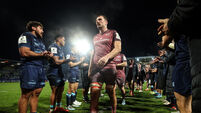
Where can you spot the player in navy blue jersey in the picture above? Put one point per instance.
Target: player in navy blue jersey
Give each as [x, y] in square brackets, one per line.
[73, 79]
[33, 55]
[55, 73]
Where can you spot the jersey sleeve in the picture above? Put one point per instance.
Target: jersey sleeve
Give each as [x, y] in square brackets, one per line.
[24, 41]
[116, 36]
[124, 58]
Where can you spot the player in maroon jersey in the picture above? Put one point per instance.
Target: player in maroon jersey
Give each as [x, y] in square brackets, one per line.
[121, 63]
[107, 44]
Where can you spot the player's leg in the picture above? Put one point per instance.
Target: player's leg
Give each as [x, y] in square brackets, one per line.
[120, 80]
[110, 77]
[96, 85]
[95, 94]
[24, 99]
[60, 90]
[180, 102]
[34, 99]
[52, 82]
[53, 98]
[112, 94]
[188, 104]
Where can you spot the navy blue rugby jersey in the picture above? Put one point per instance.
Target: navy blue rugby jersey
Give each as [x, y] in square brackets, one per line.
[35, 44]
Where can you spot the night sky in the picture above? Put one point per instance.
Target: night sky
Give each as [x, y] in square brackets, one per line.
[135, 21]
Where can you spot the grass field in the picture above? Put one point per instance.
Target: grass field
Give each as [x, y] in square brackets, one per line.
[140, 103]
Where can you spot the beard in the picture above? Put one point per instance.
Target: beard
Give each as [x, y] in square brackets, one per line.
[99, 27]
[40, 35]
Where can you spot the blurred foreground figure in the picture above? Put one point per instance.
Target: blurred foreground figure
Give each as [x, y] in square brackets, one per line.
[185, 20]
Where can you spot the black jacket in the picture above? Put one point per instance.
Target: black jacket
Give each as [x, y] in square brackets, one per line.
[186, 18]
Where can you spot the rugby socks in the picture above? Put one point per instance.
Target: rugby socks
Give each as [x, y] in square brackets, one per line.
[68, 99]
[58, 104]
[75, 94]
[51, 107]
[73, 97]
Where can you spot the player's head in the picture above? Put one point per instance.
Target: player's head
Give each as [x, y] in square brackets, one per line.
[35, 26]
[101, 21]
[60, 39]
[74, 49]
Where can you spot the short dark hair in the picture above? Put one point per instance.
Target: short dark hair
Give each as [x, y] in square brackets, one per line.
[58, 36]
[104, 16]
[31, 24]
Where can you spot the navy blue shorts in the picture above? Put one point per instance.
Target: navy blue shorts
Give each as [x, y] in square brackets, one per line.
[55, 77]
[182, 78]
[32, 77]
[73, 76]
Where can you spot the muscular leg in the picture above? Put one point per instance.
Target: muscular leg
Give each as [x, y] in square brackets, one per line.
[23, 101]
[34, 99]
[188, 104]
[59, 94]
[68, 95]
[53, 95]
[130, 84]
[112, 94]
[123, 92]
[180, 102]
[95, 94]
[75, 88]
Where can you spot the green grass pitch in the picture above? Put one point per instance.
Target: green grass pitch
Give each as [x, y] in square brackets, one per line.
[140, 103]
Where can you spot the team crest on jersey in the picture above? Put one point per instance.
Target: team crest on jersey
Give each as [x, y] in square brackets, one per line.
[107, 34]
[118, 56]
[22, 39]
[54, 50]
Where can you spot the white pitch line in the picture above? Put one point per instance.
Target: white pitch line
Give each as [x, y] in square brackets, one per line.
[3, 91]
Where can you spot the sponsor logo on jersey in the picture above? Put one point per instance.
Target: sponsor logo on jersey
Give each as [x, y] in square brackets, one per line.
[54, 50]
[22, 39]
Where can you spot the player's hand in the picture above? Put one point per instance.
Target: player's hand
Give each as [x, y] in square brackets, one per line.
[103, 61]
[47, 54]
[72, 58]
[164, 27]
[50, 54]
[165, 41]
[44, 53]
[85, 64]
[82, 59]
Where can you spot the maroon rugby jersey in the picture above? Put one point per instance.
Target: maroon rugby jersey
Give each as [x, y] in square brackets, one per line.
[120, 58]
[104, 44]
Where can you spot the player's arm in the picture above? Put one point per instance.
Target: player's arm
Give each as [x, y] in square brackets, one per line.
[90, 64]
[73, 64]
[112, 54]
[24, 45]
[116, 50]
[124, 63]
[85, 64]
[58, 61]
[26, 52]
